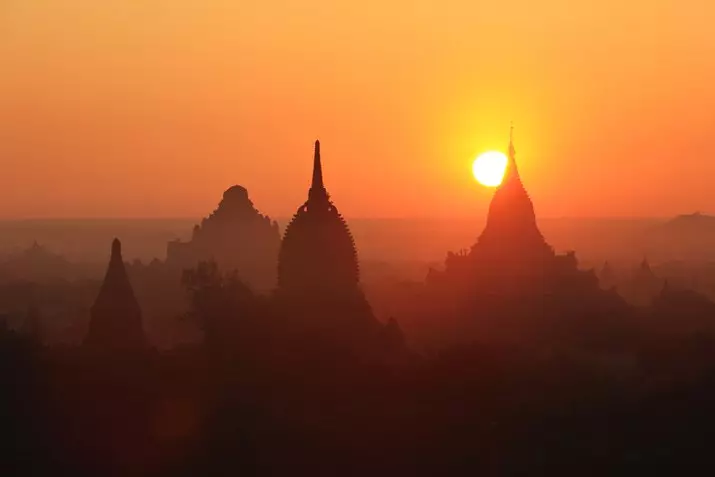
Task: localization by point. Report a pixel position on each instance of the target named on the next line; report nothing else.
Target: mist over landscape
(84, 240)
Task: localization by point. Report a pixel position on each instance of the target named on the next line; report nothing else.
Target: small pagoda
(116, 319)
(645, 284)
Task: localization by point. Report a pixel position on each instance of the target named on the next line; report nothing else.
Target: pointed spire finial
(116, 249)
(317, 168)
(512, 151)
(317, 191)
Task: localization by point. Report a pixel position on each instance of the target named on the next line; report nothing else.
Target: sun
(489, 168)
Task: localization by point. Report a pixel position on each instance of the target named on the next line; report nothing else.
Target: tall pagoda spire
(512, 151)
(317, 191)
(317, 168)
(512, 172)
(318, 250)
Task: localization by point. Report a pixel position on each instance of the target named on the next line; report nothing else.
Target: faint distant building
(37, 264)
(645, 285)
(115, 318)
(687, 238)
(607, 277)
(694, 312)
(237, 237)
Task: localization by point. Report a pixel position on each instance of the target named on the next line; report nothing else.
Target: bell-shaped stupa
(318, 255)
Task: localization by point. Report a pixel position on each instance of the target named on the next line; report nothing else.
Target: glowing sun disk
(489, 168)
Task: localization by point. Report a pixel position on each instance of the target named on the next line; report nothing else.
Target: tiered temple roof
(511, 286)
(511, 233)
(511, 254)
(237, 237)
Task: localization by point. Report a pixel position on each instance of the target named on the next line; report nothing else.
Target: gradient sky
(119, 108)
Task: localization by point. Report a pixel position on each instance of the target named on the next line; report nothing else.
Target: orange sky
(154, 107)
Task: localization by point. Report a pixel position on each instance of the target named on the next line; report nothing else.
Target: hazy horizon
(382, 239)
(347, 217)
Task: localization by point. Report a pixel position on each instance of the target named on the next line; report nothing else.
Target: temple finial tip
(116, 248)
(317, 149)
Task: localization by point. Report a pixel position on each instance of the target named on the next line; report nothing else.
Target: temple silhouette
(318, 255)
(645, 285)
(116, 318)
(511, 221)
(607, 276)
(319, 277)
(237, 237)
(510, 276)
(36, 263)
(511, 255)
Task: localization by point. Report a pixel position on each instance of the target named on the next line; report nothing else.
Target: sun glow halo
(489, 168)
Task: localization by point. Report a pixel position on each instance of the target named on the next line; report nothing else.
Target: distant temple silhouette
(237, 237)
(645, 285)
(511, 255)
(510, 285)
(116, 319)
(37, 264)
(511, 234)
(318, 254)
(607, 277)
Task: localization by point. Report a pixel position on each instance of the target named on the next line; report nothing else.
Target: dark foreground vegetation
(262, 397)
